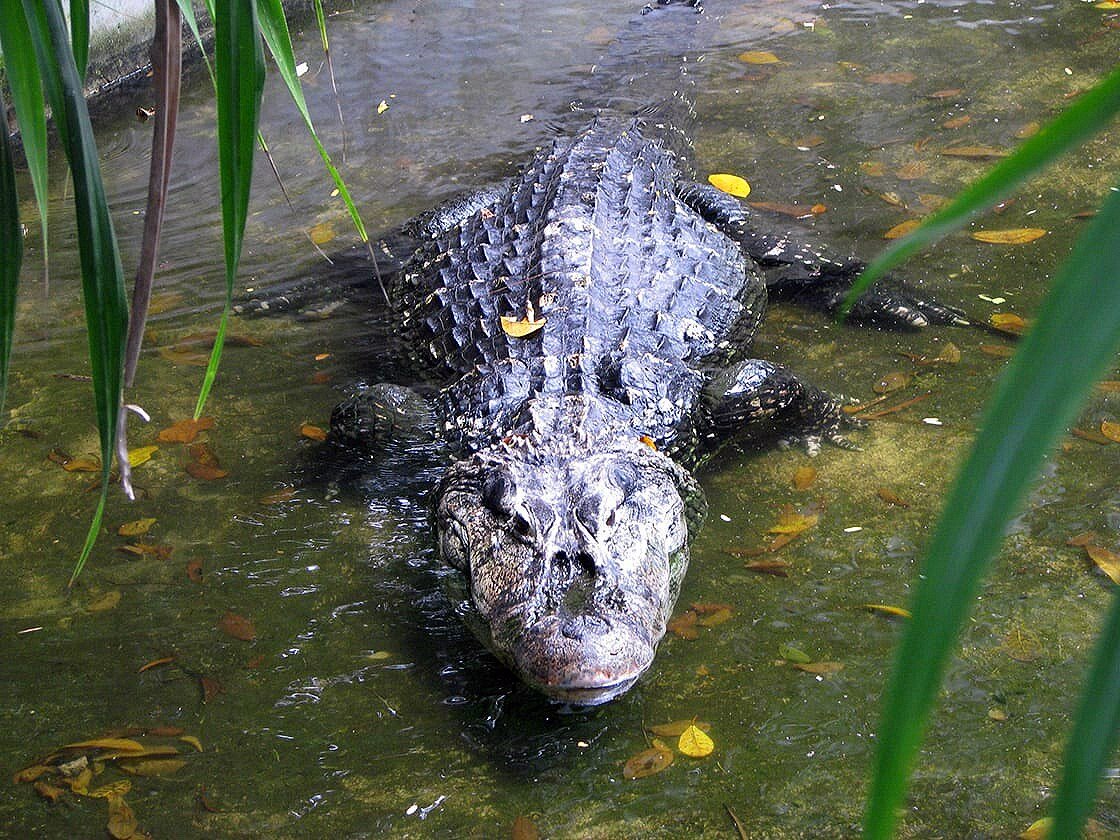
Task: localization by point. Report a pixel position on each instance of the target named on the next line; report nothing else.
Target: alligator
(590, 320)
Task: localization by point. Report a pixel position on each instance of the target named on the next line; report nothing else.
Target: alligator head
(571, 558)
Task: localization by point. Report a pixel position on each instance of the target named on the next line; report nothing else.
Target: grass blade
(187, 11)
(275, 30)
(1094, 734)
(27, 96)
(11, 245)
(1088, 114)
(321, 22)
(239, 71)
(167, 56)
(79, 35)
(1070, 346)
(102, 281)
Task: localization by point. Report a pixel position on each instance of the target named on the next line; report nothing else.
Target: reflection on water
(363, 708)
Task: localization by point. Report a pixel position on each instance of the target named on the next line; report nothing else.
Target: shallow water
(363, 708)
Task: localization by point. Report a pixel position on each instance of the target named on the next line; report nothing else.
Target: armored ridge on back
(591, 318)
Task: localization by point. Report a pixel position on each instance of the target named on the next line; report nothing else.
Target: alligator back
(638, 294)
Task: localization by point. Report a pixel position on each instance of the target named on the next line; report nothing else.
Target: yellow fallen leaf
(82, 465)
(887, 609)
(122, 822)
(792, 522)
(80, 784)
(322, 233)
(902, 228)
(140, 455)
(521, 327)
(716, 617)
(803, 477)
(313, 432)
(1008, 322)
(695, 743)
(676, 728)
(759, 57)
(1112, 5)
(123, 744)
(1111, 430)
(30, 774)
(730, 184)
(152, 766)
(49, 791)
(119, 788)
(136, 527)
(1011, 236)
(1039, 829)
(1107, 561)
(192, 740)
(382, 106)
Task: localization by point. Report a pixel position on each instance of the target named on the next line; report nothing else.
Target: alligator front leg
(378, 414)
(795, 270)
(758, 400)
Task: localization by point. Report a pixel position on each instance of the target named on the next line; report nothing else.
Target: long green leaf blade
(11, 245)
(275, 30)
(1088, 114)
(102, 281)
(27, 97)
(187, 11)
(1095, 728)
(79, 35)
(1069, 347)
(239, 71)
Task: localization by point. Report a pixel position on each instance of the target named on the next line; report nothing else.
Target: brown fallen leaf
(902, 228)
(948, 93)
(237, 626)
(1091, 435)
(312, 432)
(524, 829)
(1111, 430)
(83, 465)
(155, 663)
(890, 382)
(777, 568)
(796, 211)
(1008, 322)
(1010, 236)
(151, 766)
(211, 688)
(714, 619)
(891, 498)
(194, 571)
(1109, 386)
(1083, 539)
(957, 122)
(912, 171)
(823, 669)
(205, 472)
(165, 731)
(874, 168)
(162, 552)
(902, 77)
(974, 152)
(30, 774)
(684, 625)
(997, 350)
(185, 431)
(648, 761)
(48, 791)
(105, 601)
(792, 522)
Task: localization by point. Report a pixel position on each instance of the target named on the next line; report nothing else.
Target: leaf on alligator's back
(730, 184)
(521, 327)
(902, 228)
(136, 527)
(695, 742)
(1010, 236)
(312, 432)
(759, 57)
(185, 431)
(648, 761)
(887, 610)
(237, 626)
(791, 521)
(1111, 430)
(803, 477)
(106, 601)
(1008, 322)
(889, 382)
(1105, 560)
(676, 728)
(974, 152)
(820, 669)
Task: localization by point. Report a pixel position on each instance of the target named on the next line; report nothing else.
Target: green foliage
(1070, 346)
(11, 245)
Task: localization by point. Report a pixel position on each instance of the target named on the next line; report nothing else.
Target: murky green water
(363, 708)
